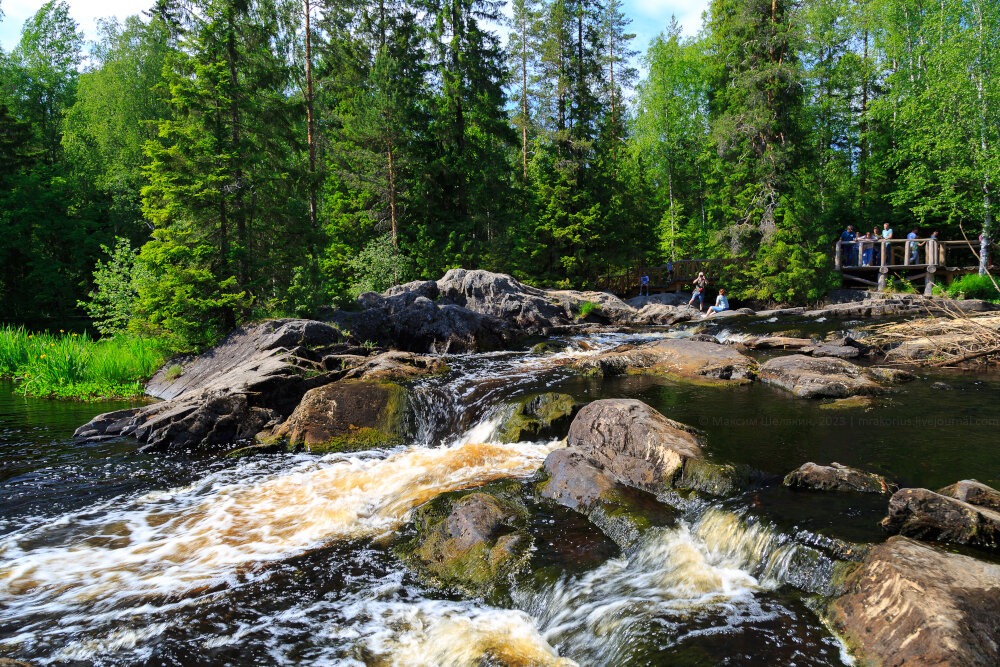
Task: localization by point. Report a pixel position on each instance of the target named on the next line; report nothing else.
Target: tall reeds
(77, 366)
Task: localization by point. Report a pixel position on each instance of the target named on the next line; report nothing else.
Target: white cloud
(86, 13)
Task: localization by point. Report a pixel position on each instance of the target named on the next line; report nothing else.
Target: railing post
(885, 252)
(836, 257)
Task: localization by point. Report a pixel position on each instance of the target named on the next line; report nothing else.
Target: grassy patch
(586, 308)
(973, 286)
(77, 366)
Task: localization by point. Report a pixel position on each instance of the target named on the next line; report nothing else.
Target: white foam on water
(166, 543)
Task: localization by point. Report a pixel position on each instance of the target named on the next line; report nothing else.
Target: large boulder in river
(835, 477)
(622, 513)
(821, 377)
(914, 604)
(633, 443)
(974, 493)
(345, 416)
(921, 513)
(678, 358)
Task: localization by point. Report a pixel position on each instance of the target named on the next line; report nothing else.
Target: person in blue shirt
(848, 246)
(911, 245)
(721, 302)
(644, 285)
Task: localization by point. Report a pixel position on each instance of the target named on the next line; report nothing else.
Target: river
(110, 556)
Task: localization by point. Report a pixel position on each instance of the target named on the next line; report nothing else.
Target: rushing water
(111, 556)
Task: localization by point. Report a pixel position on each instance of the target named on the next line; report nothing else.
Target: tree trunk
(234, 111)
(392, 195)
(310, 123)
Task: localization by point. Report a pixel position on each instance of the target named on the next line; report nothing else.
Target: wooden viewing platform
(662, 279)
(935, 261)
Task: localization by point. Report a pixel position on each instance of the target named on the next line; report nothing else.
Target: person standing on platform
(911, 245)
(848, 247)
(644, 285)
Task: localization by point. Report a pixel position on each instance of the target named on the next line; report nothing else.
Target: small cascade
(713, 567)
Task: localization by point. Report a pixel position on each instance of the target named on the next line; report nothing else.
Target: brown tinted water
(112, 556)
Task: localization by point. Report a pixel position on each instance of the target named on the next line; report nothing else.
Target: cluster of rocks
(905, 602)
(697, 360)
(279, 384)
(914, 603)
(481, 310)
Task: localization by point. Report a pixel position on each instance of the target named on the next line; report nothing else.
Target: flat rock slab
(923, 514)
(914, 604)
(974, 493)
(819, 377)
(633, 443)
(835, 477)
(680, 358)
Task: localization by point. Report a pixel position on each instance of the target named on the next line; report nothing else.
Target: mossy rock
(539, 416)
(717, 479)
(470, 541)
(345, 416)
(848, 403)
(549, 346)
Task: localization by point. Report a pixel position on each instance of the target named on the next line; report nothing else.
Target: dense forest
(222, 160)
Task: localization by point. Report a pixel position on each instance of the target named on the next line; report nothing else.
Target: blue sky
(649, 17)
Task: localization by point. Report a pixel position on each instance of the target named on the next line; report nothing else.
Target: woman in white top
(721, 302)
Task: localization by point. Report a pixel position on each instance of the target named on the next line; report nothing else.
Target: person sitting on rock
(721, 302)
(698, 292)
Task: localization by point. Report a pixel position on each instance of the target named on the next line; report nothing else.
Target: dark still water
(109, 556)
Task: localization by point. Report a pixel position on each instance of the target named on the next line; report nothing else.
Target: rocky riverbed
(485, 475)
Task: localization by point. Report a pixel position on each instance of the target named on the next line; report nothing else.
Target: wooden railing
(899, 253)
(662, 278)
(857, 260)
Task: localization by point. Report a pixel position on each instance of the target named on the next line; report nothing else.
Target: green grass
(587, 307)
(77, 366)
(973, 286)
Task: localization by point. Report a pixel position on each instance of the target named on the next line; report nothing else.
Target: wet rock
(819, 377)
(717, 479)
(539, 416)
(890, 375)
(632, 443)
(849, 403)
(704, 338)
(974, 493)
(923, 514)
(944, 386)
(345, 416)
(683, 359)
(914, 604)
(621, 513)
(249, 383)
(470, 543)
(835, 477)
(549, 346)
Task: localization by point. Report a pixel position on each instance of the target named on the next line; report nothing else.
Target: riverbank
(76, 366)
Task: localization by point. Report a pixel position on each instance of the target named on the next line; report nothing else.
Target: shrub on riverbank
(77, 366)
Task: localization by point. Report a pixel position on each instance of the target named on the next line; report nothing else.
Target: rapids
(112, 557)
